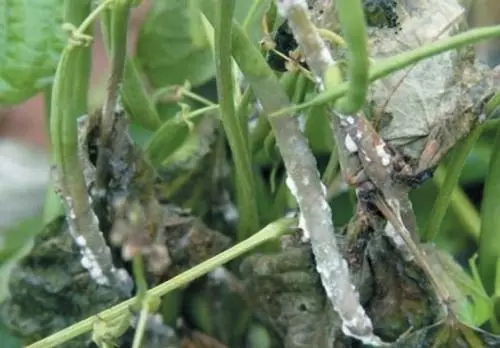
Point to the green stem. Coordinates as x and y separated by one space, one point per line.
447 181
247 207
268 233
197 97
352 20
251 14
69 101
135 99
120 13
242 114
140 278
141 326
489 246
397 62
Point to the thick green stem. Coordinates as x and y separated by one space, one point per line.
447 180
489 246
397 62
68 102
268 233
238 142
352 20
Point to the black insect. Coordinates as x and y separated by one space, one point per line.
415 181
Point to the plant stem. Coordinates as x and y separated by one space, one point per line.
69 101
136 100
397 62
251 14
489 246
330 264
303 177
141 326
352 21
120 13
247 206
268 233
447 180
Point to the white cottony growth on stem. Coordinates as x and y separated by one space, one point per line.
350 145
315 218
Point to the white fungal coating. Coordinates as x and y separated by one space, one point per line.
350 145
90 263
284 6
80 241
306 236
350 119
302 122
305 180
382 153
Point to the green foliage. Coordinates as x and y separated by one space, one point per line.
165 49
31 41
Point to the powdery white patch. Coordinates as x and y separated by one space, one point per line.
219 274
306 236
80 241
292 187
230 212
325 56
391 232
305 180
324 190
384 156
351 328
284 6
350 119
350 145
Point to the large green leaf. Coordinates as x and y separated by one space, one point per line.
31 39
166 50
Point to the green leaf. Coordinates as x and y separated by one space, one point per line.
166 51
15 243
165 48
31 40
171 135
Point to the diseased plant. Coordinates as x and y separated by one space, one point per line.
370 93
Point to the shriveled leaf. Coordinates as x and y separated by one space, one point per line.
31 39
52 274
434 92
